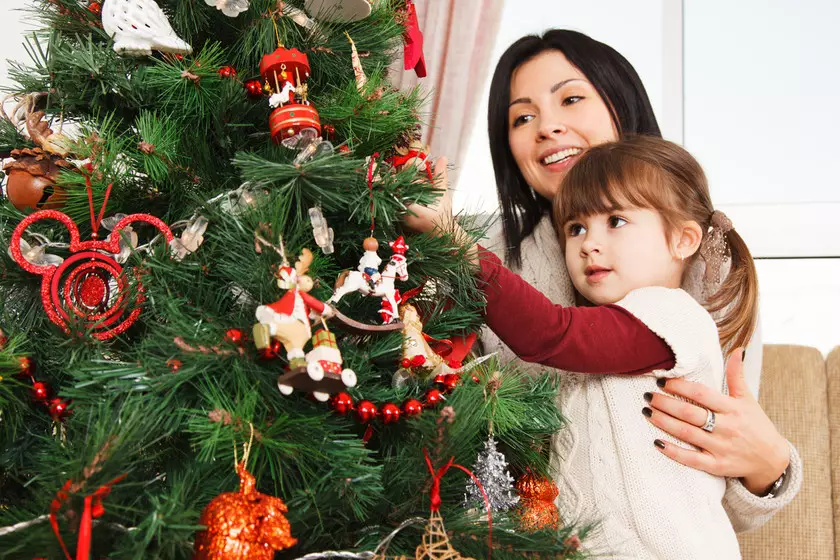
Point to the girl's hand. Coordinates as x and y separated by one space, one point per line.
744 442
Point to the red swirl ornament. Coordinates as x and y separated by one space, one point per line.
90 284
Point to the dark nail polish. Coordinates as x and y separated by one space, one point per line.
743 354
661 382
647 412
648 397
659 443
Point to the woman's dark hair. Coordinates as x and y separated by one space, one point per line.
615 80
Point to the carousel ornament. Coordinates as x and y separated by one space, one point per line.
293 118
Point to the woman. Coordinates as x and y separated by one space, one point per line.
551 98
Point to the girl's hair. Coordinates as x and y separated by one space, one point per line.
614 79
647 172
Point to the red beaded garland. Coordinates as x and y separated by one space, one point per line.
26 367
390 413
366 411
406 363
412 407
95 8
40 391
433 397
58 409
342 403
174 365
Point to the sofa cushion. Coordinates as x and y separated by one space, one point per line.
794 395
833 370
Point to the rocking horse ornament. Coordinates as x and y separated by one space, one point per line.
365 280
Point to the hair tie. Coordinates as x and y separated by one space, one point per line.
713 248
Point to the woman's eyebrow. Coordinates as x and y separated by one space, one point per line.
558 85
554 89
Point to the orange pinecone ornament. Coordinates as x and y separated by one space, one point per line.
537 509
243 525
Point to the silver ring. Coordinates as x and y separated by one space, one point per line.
709 426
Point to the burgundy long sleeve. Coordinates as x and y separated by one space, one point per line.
604 339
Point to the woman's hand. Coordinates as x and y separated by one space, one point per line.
744 442
427 219
438 218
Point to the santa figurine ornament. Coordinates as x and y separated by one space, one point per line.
287 321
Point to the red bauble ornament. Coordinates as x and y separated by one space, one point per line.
41 391
342 403
451 380
418 360
390 413
243 525
81 285
344 149
366 411
95 8
433 397
174 365
254 89
439 378
476 379
235 336
58 409
405 363
227 72
412 407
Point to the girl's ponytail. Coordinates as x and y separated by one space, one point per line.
737 295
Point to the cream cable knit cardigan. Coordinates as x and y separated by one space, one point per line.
544 268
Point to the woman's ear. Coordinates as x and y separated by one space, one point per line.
687 240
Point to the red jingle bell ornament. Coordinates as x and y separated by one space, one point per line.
227 72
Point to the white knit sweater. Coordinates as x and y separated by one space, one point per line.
544 268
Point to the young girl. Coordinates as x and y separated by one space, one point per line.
632 216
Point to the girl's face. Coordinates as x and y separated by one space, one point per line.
609 255
555 115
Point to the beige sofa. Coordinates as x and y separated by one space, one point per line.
800 391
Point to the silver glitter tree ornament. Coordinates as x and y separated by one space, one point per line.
491 469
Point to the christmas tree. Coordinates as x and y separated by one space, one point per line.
185 182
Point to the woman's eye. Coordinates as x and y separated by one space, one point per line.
522 119
572 99
617 221
573 230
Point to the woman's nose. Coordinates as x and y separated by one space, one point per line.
549 129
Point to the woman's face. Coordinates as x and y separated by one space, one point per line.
555 115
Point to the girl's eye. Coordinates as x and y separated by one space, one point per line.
522 119
617 221
573 230
572 99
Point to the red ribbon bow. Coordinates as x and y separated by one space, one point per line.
93 509
435 493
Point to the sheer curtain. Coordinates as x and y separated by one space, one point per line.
458 37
